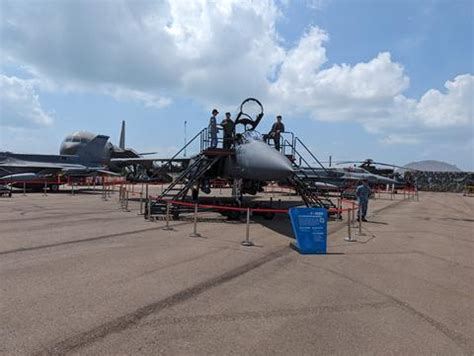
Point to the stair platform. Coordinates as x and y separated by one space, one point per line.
218 152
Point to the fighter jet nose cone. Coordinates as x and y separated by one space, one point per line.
281 165
262 162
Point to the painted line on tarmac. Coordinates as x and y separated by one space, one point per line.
119 324
54 215
120 234
281 313
68 223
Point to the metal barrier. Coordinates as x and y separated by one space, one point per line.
124 195
195 233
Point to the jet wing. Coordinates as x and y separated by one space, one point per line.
87 171
43 169
145 160
32 165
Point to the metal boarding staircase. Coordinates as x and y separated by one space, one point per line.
301 181
192 175
309 197
179 188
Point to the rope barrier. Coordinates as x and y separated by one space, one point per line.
257 210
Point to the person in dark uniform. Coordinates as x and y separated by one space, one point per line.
213 128
363 193
275 132
228 129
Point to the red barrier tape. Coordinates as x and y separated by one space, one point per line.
232 208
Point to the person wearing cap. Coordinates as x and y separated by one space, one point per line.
363 193
277 129
213 128
228 128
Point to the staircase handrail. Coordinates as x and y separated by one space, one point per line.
304 160
311 154
199 134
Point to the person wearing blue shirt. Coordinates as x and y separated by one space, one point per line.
213 128
363 192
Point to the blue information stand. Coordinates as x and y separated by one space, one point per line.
310 226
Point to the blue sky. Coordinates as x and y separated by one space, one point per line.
390 80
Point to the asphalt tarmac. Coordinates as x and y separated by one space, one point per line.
80 276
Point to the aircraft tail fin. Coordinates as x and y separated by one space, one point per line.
94 150
122 136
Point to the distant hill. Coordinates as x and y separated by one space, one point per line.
432 166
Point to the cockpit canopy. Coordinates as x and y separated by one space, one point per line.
251 135
76 139
355 170
79 137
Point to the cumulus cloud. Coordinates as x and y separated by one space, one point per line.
370 93
19 104
196 49
455 108
219 53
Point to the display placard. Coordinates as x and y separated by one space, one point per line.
310 229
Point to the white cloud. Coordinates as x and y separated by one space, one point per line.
397 139
149 100
19 104
202 49
317 5
455 108
219 53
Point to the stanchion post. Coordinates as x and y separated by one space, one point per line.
360 228
195 233
45 188
24 188
104 193
126 201
353 213
247 241
167 226
349 235
339 208
141 203
149 207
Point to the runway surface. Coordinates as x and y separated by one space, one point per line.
80 276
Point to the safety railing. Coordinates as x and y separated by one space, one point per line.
308 151
203 144
342 206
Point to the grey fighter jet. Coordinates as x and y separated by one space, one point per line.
251 161
347 176
247 166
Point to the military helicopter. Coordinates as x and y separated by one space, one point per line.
371 166
345 177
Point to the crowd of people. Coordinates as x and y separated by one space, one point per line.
227 126
442 181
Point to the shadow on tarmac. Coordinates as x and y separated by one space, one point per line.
280 224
